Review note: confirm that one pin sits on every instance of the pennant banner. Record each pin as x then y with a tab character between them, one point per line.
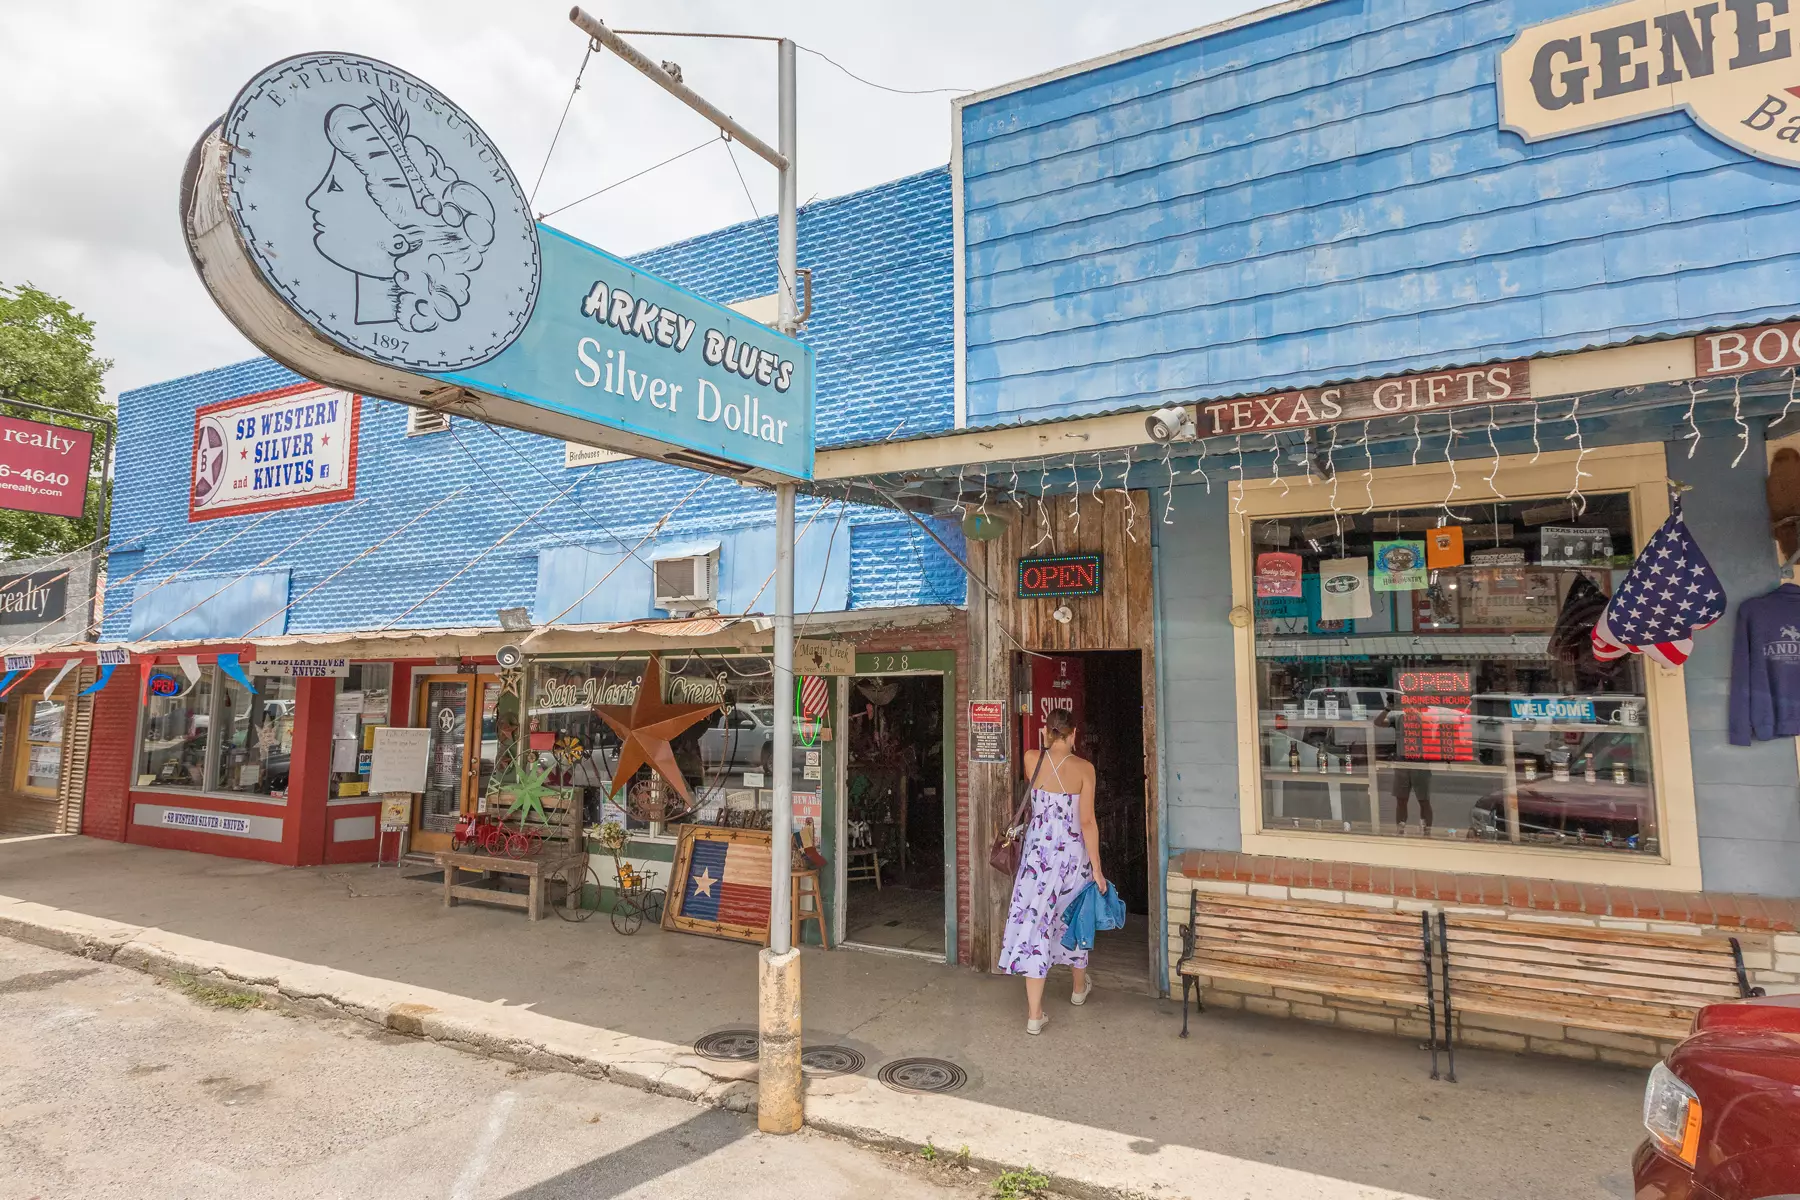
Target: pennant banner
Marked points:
229	664
106	674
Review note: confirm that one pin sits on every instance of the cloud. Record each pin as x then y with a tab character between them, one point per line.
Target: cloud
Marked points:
105	100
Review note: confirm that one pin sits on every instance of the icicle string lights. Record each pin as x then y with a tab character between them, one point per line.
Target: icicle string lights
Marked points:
1418	440
1237	498
958	505
1793	381
1169	495
1201	470
1693	437
1368	468
1450	460
1536	448
1494	449
1575	493
1125	494
1043	504
1737	414
1075	493
1275	463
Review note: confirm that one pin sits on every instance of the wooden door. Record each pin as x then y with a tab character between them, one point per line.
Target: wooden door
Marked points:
456	709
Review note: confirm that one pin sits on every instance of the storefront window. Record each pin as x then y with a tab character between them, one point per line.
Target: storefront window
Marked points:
176	716
43	765
1418	677
725	759
364	701
254	736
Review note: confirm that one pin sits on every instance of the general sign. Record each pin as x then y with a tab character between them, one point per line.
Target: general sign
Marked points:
1061	575
44	468
363	230
285	448
1496	383
1729	63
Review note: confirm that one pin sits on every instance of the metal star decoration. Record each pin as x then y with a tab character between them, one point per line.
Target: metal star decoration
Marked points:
646	728
528	794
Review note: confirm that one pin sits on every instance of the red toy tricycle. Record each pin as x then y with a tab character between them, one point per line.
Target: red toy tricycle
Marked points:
492	835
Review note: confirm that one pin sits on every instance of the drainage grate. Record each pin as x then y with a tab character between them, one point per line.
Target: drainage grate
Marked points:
831	1060
729	1045
923	1075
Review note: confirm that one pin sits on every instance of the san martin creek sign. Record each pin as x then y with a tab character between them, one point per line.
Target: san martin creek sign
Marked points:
361	229
1730	63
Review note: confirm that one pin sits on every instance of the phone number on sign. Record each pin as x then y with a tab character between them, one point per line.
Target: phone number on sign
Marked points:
34	476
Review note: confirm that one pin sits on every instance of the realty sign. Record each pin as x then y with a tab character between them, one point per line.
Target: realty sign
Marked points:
1729	63
44	468
285	448
362	229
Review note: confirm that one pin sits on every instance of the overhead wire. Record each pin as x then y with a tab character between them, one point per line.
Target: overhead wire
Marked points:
545	216
567	104
492	546
238	578
882	86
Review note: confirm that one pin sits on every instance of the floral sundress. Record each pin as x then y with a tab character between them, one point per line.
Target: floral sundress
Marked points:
1053	868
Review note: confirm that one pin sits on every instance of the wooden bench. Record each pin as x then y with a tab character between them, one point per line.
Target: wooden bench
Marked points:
563	856
1330	949
555	863
1615	980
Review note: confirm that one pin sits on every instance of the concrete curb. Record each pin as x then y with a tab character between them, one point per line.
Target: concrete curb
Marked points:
1082	1160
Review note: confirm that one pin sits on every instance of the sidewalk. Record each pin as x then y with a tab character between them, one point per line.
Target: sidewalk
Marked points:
1108	1099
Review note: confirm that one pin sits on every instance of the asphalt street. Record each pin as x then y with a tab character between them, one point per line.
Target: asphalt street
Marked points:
115	1084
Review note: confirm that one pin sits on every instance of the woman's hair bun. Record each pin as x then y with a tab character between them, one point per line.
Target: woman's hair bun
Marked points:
1060	722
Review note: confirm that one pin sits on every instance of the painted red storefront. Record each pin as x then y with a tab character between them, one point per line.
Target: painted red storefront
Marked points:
314	829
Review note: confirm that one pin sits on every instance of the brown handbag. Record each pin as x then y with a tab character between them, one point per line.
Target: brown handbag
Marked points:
1009	843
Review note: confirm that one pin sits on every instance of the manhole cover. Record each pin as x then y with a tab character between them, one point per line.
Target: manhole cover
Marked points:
923	1075
728	1045
830	1060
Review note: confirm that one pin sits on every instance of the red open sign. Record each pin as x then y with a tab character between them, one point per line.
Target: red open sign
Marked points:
1061	575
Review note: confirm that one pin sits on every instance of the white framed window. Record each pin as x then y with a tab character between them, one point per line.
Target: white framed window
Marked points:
1449	717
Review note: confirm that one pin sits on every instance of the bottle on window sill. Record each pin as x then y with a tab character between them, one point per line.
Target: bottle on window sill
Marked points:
1588	772
1294	757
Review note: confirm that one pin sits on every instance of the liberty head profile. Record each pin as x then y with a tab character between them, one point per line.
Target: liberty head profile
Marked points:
392	211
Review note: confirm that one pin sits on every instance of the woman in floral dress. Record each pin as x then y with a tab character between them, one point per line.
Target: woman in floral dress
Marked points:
1060	854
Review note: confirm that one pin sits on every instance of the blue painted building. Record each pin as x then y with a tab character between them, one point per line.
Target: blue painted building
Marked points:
1407	354
395	586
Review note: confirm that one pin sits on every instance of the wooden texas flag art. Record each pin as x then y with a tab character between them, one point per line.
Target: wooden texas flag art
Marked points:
646	727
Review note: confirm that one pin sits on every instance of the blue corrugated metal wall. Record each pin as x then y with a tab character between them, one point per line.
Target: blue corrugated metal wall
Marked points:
881	329
1326	195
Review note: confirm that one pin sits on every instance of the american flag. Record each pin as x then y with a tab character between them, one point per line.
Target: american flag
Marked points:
1668	596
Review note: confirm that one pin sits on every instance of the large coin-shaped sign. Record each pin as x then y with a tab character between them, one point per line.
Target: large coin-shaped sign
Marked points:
361	228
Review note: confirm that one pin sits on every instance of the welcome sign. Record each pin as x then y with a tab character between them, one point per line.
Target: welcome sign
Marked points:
361	229
1729	63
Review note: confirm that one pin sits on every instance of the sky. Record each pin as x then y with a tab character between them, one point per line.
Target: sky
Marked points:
104	101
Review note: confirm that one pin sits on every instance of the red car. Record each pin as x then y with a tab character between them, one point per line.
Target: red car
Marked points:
1724	1111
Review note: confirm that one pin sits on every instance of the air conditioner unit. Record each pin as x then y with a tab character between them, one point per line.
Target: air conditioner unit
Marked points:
426	420
688	582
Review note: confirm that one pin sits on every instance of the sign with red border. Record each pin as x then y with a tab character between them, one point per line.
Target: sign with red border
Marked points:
287	448
44	468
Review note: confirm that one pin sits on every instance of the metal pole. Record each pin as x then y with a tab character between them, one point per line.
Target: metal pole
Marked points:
779	1100
782	827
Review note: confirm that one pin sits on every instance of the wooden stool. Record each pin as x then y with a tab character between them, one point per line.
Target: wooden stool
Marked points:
858	871
810	878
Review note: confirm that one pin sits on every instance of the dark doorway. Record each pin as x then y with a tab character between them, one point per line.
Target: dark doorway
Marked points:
1104	690
894	836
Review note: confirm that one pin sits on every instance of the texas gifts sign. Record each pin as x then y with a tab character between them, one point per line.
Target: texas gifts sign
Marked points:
363	231
1729	63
